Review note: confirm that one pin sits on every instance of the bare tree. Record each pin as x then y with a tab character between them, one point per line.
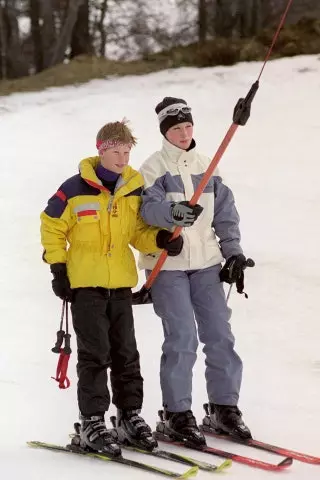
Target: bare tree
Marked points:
139	30
34	10
81	39
239	17
18	65
64	39
250	15
128	28
299	9
102	28
3	40
48	30
225	17
257	17
202	20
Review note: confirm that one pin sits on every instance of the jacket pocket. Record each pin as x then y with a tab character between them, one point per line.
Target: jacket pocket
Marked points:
88	228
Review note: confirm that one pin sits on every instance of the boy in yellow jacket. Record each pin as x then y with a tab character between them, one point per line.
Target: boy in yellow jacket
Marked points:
86	232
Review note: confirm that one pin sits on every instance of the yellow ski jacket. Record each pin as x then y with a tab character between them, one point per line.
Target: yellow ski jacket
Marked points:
90	230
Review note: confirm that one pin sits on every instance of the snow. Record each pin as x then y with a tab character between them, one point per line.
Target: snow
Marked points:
273	168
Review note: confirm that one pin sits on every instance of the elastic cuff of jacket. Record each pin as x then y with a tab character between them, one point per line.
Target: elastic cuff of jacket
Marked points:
58	268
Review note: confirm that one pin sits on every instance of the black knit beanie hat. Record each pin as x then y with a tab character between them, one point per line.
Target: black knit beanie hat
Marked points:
172	111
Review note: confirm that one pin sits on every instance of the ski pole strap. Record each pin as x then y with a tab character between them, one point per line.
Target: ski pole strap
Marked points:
62	369
64	351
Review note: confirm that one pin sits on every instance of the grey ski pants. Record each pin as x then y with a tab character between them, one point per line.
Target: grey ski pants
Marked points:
185	300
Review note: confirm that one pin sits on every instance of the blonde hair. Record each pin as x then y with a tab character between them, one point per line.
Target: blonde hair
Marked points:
118	132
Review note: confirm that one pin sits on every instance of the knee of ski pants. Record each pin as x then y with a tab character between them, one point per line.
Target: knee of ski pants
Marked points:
177	317
216	327
94	357
179	329
180	338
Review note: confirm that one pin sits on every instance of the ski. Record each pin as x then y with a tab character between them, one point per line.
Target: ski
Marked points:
186	460
123	461
267	447
252	462
174	457
164	454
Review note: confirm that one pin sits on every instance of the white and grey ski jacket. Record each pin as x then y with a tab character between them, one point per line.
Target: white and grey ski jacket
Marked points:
172	175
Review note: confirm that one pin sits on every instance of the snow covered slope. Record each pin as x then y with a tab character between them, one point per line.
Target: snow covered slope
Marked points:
273	167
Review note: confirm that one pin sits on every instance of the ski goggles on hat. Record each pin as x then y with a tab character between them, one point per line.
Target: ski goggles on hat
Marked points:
173	111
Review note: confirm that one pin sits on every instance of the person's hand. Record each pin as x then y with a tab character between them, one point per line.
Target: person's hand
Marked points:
184	215
60	283
173	247
233	269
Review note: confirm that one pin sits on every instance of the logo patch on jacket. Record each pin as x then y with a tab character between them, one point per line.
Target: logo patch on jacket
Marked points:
86	209
114	211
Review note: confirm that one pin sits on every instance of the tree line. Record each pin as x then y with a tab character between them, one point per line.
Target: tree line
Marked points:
38	34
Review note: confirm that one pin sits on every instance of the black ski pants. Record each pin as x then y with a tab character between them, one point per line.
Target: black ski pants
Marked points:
103	323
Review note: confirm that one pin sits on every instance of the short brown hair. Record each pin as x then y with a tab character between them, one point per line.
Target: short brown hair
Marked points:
117	131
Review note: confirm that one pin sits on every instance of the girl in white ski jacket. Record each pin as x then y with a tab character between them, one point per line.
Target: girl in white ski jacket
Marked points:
188	294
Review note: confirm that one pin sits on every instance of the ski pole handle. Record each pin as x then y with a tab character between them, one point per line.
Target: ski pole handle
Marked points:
67	348
250	262
58	344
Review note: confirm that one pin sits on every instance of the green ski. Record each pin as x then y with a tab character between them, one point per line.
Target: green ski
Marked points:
192	462
123	461
164	454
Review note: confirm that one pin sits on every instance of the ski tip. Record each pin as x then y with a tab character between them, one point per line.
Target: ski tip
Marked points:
33	443
224	465
286	462
192	472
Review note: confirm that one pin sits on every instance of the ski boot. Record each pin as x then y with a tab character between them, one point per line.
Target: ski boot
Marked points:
131	429
225	420
92	435
179	426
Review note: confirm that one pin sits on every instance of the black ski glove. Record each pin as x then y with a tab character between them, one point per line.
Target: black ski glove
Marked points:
173	247
60	283
184	215
233	270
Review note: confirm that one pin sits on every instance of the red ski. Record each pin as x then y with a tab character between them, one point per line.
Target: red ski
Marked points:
302	457
207	429
252	462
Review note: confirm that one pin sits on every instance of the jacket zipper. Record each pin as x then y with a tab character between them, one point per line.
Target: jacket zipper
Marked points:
110	203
